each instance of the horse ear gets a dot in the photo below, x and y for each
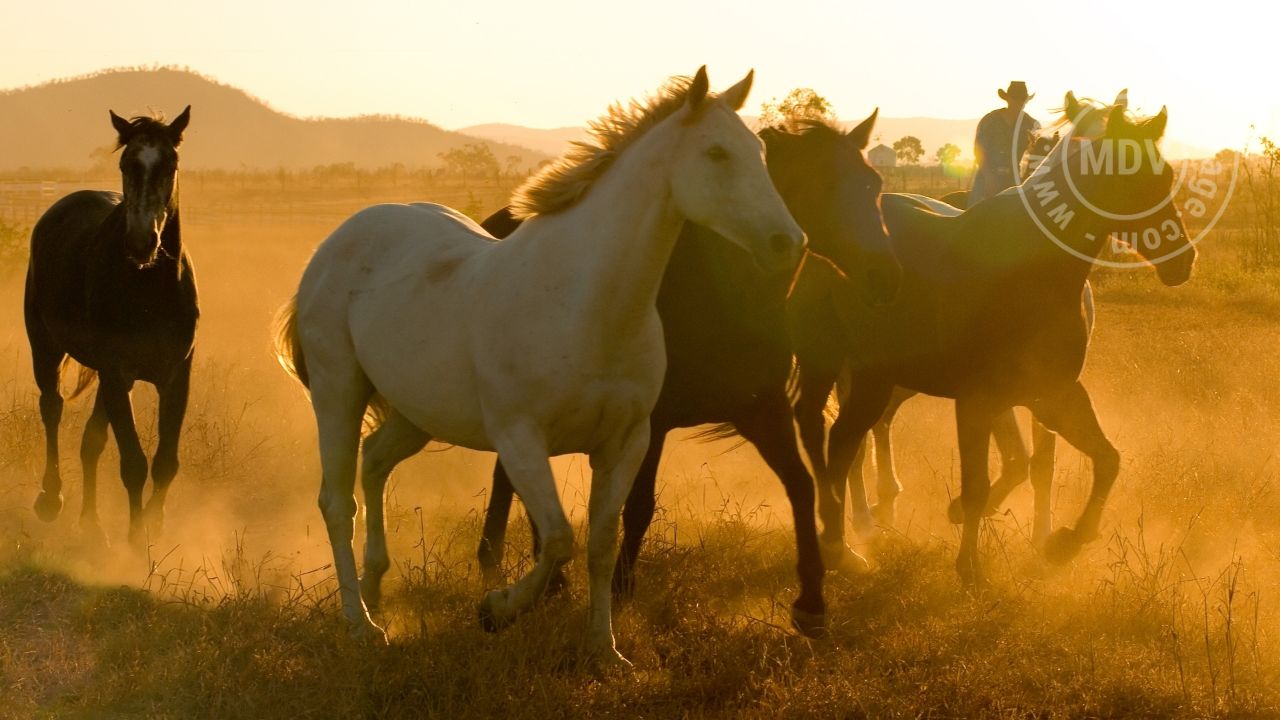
(178, 125)
(698, 89)
(1116, 119)
(1071, 107)
(736, 96)
(860, 136)
(1154, 128)
(122, 126)
(1122, 98)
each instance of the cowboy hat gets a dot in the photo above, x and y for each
(1017, 91)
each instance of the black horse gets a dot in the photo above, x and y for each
(110, 285)
(728, 345)
(991, 314)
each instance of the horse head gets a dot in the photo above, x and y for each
(149, 171)
(835, 196)
(719, 181)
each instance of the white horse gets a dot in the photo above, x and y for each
(543, 344)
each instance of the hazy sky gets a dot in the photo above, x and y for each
(559, 62)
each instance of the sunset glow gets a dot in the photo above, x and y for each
(559, 63)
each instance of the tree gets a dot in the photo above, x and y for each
(513, 163)
(1227, 157)
(947, 155)
(799, 104)
(909, 150)
(472, 159)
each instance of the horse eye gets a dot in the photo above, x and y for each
(717, 153)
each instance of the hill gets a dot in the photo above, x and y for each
(933, 134)
(551, 141)
(62, 123)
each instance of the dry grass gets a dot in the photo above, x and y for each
(232, 613)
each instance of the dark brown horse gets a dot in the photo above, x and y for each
(728, 348)
(989, 314)
(110, 285)
(1083, 118)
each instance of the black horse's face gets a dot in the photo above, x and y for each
(1139, 195)
(149, 170)
(835, 196)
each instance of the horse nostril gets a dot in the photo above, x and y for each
(780, 243)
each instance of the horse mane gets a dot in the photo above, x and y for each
(813, 126)
(144, 125)
(1064, 147)
(565, 181)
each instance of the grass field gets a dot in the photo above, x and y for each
(232, 613)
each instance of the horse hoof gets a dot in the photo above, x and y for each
(970, 572)
(864, 525)
(885, 514)
(137, 539)
(608, 661)
(808, 624)
(955, 512)
(94, 535)
(48, 506)
(492, 618)
(371, 594)
(841, 558)
(491, 574)
(1062, 546)
(367, 633)
(558, 583)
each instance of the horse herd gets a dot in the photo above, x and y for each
(659, 276)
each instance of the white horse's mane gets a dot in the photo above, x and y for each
(563, 182)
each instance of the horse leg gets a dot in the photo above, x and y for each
(339, 409)
(46, 362)
(1045, 443)
(523, 452)
(91, 447)
(1014, 459)
(637, 513)
(114, 393)
(864, 407)
(974, 419)
(888, 487)
(1070, 413)
(769, 427)
(496, 515)
(164, 467)
(815, 389)
(395, 440)
(492, 536)
(613, 471)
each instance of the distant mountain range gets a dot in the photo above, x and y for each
(932, 132)
(62, 124)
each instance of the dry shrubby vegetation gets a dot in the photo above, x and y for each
(232, 612)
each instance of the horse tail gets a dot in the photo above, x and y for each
(288, 345)
(719, 431)
(85, 378)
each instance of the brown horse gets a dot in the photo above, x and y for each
(1085, 118)
(111, 286)
(990, 314)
